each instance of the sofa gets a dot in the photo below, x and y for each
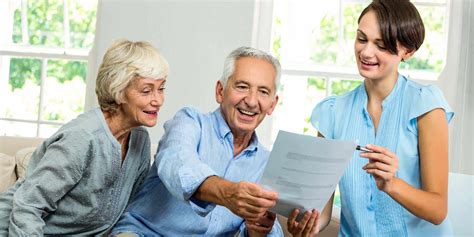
(15, 153)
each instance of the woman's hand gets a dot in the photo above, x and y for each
(307, 226)
(383, 165)
(262, 227)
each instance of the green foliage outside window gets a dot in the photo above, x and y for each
(45, 28)
(64, 88)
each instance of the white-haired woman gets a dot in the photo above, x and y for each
(80, 180)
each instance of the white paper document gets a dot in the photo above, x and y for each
(305, 170)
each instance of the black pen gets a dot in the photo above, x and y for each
(363, 149)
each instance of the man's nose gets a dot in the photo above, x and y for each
(251, 99)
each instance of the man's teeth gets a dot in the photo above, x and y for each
(247, 112)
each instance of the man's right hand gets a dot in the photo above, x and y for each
(249, 200)
(245, 199)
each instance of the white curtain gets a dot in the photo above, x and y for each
(457, 82)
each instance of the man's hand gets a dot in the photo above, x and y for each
(307, 226)
(261, 227)
(249, 200)
(245, 199)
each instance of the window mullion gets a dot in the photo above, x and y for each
(24, 21)
(340, 38)
(67, 36)
(44, 65)
(328, 86)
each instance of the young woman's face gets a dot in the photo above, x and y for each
(374, 61)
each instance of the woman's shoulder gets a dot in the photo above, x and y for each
(424, 98)
(423, 90)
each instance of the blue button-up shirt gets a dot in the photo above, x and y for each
(194, 147)
(365, 210)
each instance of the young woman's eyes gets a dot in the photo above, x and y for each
(381, 47)
(361, 40)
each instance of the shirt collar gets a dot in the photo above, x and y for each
(223, 130)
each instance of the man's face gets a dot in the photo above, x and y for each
(248, 96)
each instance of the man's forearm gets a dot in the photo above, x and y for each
(213, 189)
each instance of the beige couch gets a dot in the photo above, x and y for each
(15, 152)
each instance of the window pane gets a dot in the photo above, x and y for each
(16, 37)
(23, 89)
(47, 130)
(297, 97)
(308, 32)
(351, 16)
(45, 22)
(8, 128)
(432, 53)
(341, 86)
(64, 90)
(82, 17)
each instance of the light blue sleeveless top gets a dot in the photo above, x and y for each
(365, 210)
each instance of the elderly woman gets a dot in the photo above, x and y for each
(80, 180)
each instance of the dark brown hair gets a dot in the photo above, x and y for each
(400, 21)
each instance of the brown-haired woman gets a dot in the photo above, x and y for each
(401, 187)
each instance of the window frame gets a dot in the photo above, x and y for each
(8, 49)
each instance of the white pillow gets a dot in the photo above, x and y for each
(22, 158)
(7, 171)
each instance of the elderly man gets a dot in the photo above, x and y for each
(203, 179)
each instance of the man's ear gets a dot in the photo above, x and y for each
(219, 91)
(274, 104)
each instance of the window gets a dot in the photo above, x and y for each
(44, 48)
(314, 42)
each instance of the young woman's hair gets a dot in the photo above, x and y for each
(400, 21)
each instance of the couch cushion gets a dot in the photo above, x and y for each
(22, 158)
(7, 171)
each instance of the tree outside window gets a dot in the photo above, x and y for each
(43, 59)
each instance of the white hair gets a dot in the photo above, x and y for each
(229, 63)
(124, 61)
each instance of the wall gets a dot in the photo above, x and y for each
(194, 36)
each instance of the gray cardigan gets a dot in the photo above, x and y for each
(76, 183)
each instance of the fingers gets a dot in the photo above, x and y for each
(291, 222)
(264, 224)
(379, 166)
(307, 226)
(310, 225)
(386, 176)
(250, 201)
(380, 149)
(251, 226)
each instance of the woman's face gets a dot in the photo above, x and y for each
(142, 101)
(374, 61)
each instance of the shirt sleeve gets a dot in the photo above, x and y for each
(51, 176)
(178, 163)
(426, 99)
(323, 117)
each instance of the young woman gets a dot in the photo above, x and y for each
(401, 188)
(80, 180)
